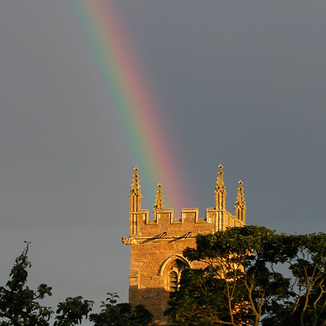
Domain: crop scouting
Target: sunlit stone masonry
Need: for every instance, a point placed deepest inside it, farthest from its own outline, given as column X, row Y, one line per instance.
column 156, row 260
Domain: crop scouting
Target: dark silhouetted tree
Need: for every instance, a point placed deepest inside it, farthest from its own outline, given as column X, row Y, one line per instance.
column 72, row 311
column 120, row 314
column 242, row 282
column 19, row 305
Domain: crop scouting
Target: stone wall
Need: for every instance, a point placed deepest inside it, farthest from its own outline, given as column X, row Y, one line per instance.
column 156, row 260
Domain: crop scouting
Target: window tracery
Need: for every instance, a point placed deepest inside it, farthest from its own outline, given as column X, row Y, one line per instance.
column 172, row 274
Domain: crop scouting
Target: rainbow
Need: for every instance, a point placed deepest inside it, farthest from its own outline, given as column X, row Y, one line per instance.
column 133, row 102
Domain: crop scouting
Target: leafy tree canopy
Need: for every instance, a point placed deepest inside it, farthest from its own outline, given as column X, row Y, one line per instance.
column 20, row 305
column 120, row 314
column 72, row 311
column 242, row 282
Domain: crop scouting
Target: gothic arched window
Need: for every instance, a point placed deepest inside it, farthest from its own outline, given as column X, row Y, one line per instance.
column 171, row 271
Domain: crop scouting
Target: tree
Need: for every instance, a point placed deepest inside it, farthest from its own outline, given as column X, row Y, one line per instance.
column 19, row 305
column 200, row 300
column 306, row 259
column 239, row 284
column 120, row 314
column 309, row 270
column 72, row 311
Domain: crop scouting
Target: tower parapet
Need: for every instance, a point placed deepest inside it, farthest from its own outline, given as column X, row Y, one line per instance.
column 156, row 260
column 216, row 219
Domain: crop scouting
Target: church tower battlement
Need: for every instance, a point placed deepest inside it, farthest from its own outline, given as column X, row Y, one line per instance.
column 156, row 260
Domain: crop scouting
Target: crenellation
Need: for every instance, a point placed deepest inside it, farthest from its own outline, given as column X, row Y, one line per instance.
column 189, row 214
column 157, row 245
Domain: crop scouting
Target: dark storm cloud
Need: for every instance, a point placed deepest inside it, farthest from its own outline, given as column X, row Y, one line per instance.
column 240, row 83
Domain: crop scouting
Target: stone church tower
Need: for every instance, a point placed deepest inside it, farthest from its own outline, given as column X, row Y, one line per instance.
column 156, row 260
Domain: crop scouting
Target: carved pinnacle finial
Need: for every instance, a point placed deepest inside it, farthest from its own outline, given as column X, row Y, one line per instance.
column 219, row 181
column 240, row 198
column 159, row 198
column 135, row 186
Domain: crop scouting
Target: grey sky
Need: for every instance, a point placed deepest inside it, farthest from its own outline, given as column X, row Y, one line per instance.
column 240, row 83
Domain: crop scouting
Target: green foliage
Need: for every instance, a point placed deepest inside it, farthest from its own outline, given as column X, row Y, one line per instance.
column 120, row 314
column 72, row 311
column 242, row 281
column 308, row 267
column 19, row 305
column 200, row 299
